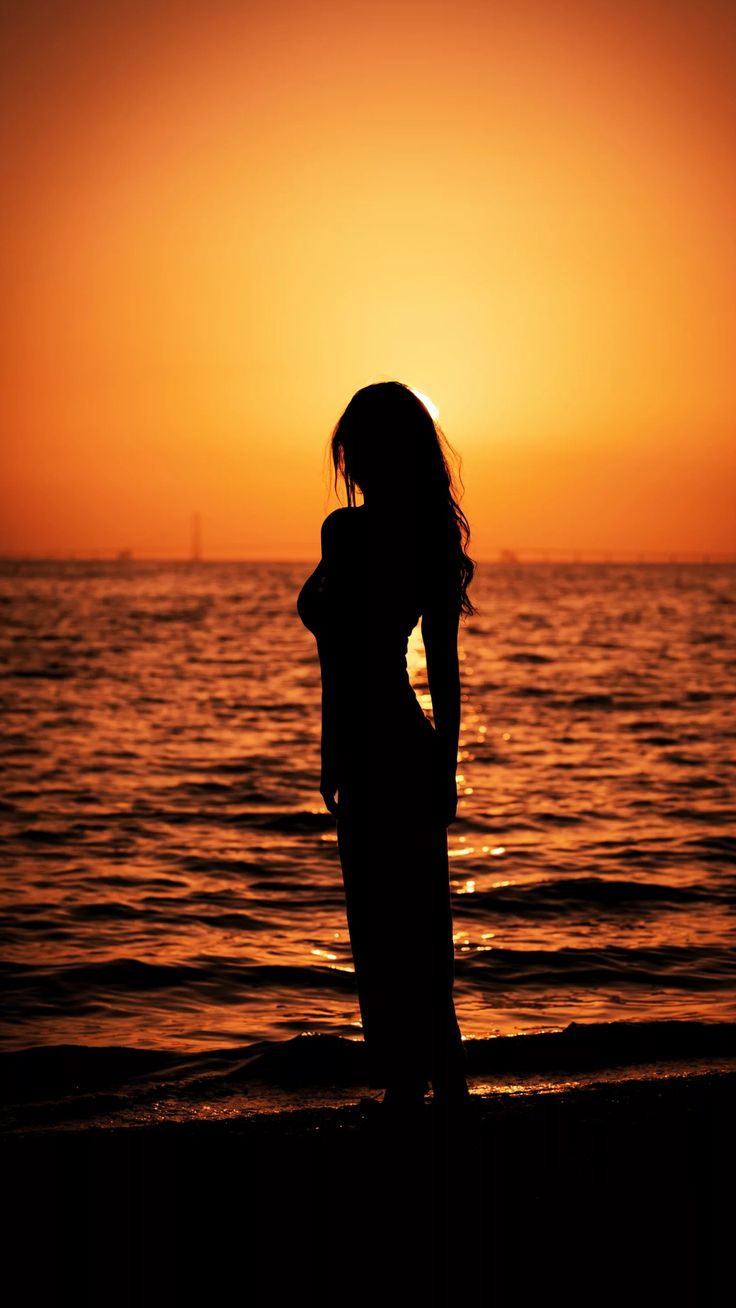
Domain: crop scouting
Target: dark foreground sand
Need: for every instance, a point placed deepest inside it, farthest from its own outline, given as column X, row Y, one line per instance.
column 612, row 1193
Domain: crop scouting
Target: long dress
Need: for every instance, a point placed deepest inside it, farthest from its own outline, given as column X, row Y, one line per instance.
column 391, row 839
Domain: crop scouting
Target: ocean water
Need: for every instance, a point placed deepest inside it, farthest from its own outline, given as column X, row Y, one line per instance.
column 171, row 880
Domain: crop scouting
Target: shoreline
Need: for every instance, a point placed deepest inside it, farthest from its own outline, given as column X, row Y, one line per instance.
column 55, row 1087
column 205, row 1102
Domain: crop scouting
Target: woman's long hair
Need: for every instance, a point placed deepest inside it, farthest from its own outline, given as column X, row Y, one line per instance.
column 385, row 431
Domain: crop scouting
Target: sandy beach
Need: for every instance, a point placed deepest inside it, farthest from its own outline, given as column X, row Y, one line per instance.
column 612, row 1192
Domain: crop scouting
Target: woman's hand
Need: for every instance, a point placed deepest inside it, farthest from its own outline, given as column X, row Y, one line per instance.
column 448, row 798
column 328, row 783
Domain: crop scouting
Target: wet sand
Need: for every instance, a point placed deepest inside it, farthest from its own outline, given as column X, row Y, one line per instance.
column 615, row 1192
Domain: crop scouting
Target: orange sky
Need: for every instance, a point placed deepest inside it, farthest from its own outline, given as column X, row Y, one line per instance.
column 220, row 220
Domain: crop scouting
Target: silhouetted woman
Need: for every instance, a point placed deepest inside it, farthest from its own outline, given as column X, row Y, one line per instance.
column 397, row 556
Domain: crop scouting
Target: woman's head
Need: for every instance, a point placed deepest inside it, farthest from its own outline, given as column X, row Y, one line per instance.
column 387, row 445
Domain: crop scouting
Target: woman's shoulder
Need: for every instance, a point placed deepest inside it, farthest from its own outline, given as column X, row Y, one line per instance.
column 337, row 516
column 337, row 524
column 341, row 515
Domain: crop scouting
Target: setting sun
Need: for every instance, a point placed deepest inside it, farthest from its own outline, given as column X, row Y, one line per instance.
column 428, row 404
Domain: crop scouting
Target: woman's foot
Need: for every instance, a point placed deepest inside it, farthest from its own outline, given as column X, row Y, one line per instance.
column 450, row 1093
column 403, row 1099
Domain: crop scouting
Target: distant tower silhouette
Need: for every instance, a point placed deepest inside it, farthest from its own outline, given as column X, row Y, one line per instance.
column 196, row 553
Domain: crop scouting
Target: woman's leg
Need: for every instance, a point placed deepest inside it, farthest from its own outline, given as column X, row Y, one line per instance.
column 393, row 853
column 375, row 945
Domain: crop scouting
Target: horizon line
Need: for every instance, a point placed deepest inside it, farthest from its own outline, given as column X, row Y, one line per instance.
column 614, row 554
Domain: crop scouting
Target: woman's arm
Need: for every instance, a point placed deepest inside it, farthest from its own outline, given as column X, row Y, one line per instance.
column 329, row 664
column 328, row 745
column 440, row 622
